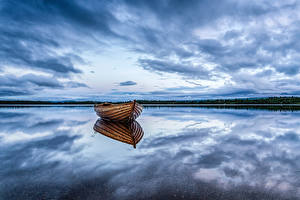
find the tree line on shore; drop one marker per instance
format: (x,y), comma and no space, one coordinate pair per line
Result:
(268,100)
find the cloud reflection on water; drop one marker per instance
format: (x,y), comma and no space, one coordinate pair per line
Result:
(189,153)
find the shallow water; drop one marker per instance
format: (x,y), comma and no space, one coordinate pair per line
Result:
(185,153)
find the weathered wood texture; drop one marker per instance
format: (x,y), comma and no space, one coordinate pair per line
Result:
(119,112)
(130,133)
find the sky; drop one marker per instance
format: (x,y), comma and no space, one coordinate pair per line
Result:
(140,49)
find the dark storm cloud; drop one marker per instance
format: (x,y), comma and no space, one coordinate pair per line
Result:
(33,35)
(181,68)
(211,46)
(14,92)
(232,36)
(190,14)
(289,69)
(23,81)
(73,84)
(206,40)
(32,50)
(11,85)
(179,19)
(127,83)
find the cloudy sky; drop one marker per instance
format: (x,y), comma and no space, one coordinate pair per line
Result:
(158,49)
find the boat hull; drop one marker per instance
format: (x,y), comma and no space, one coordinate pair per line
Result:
(119,112)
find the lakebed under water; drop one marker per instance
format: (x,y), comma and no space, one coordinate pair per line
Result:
(185,153)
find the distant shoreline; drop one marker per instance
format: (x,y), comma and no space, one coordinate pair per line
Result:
(270,103)
(218,105)
(153,105)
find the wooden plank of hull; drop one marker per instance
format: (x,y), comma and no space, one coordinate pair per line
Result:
(119,112)
(130,133)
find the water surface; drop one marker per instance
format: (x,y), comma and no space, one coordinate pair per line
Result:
(185,153)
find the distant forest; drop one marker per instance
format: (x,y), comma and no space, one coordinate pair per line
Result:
(269,100)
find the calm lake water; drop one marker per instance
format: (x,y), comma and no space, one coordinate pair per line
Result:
(185,153)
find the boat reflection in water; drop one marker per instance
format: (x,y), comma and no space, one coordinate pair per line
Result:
(130,133)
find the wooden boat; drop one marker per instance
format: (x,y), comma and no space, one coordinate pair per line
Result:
(130,133)
(119,112)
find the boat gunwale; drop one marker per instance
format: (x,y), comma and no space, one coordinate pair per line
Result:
(119,112)
(112,104)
